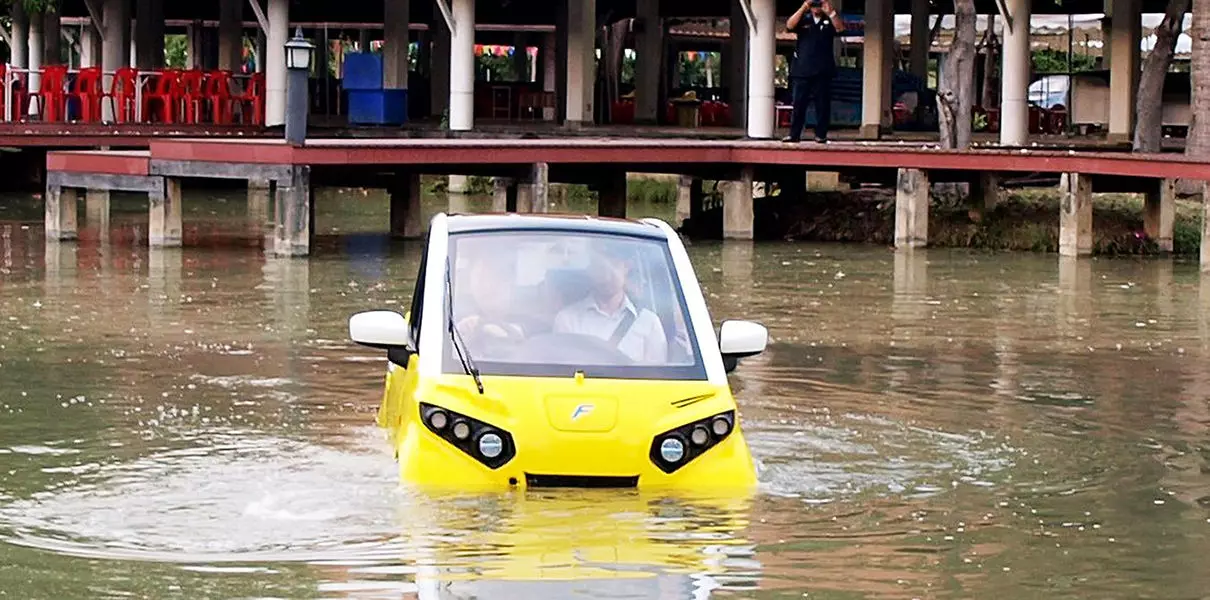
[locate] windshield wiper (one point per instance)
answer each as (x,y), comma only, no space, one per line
(464,354)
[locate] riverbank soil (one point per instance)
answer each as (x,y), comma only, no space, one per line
(1024,219)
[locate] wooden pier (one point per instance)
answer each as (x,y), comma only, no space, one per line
(291,172)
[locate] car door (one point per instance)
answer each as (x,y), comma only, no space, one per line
(398,400)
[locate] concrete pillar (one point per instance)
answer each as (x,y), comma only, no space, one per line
(456,184)
(581,61)
(395,46)
(1124,70)
(439,79)
(649,50)
(164,223)
(260,201)
(1075,218)
(462,66)
(520,57)
(985,193)
(504,194)
(114,45)
(230,35)
(736,66)
(918,56)
(61,218)
(912,209)
(684,200)
(275,63)
(144,22)
(19,35)
(1014,76)
(1159,213)
(363,40)
(1205,243)
(405,195)
(762,52)
(96,211)
(34,81)
(611,195)
(292,226)
(876,68)
(533,191)
(738,215)
(550,73)
(156,36)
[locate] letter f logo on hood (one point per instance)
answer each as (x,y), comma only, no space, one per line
(581,410)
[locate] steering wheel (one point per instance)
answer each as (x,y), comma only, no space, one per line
(573,348)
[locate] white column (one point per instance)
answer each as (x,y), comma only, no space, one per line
(762,48)
(35,60)
(550,75)
(1014,111)
(230,35)
(275,62)
(918,56)
(581,60)
(876,68)
(90,46)
(19,36)
(395,50)
(1124,40)
(649,47)
(114,45)
(462,66)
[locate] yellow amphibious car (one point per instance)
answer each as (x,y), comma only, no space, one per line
(550,351)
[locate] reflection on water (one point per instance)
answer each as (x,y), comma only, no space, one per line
(192,423)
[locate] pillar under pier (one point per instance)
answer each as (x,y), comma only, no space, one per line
(164,224)
(738,215)
(912,209)
(405,193)
(1075,218)
(292,226)
(533,190)
(96,211)
(684,200)
(611,195)
(62,220)
(1159,213)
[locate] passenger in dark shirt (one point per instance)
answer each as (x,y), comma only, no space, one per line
(816,25)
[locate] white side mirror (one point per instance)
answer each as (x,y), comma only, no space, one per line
(380,329)
(737,339)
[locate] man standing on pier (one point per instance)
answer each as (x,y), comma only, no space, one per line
(814,66)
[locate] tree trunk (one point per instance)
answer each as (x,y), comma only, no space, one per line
(956,94)
(991,48)
(1198,141)
(1147,133)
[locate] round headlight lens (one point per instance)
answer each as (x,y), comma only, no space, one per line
(699,436)
(462,430)
(438,419)
(720,426)
(672,450)
(490,445)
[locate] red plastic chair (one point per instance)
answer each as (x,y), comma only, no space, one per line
(251,101)
(191,96)
(17,110)
(159,102)
(219,97)
(87,91)
(121,94)
(51,96)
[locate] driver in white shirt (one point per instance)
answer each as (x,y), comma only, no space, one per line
(609,314)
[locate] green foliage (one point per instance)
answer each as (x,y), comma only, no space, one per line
(1055,61)
(176,49)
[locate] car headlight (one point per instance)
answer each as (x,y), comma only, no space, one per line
(484,442)
(674,449)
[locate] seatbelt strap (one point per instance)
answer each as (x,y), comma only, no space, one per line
(622,329)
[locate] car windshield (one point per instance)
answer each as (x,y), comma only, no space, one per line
(553,303)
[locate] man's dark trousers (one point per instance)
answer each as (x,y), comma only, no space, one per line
(817,87)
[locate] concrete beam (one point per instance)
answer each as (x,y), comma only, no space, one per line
(164,224)
(62,221)
(406,217)
(1159,213)
(1075,218)
(292,226)
(738,208)
(912,209)
(209,170)
(95,181)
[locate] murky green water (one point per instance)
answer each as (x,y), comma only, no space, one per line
(193,423)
